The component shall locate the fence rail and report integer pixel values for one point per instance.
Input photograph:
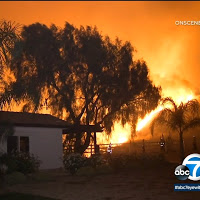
(137, 147)
(142, 146)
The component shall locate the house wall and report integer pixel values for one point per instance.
(3, 147)
(46, 143)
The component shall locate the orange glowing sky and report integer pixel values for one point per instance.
(171, 52)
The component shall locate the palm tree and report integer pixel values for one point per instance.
(9, 36)
(178, 118)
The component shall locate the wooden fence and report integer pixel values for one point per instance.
(139, 147)
(144, 146)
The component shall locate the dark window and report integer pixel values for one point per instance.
(12, 144)
(24, 144)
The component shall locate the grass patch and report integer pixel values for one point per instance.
(18, 196)
(43, 177)
(15, 178)
(90, 171)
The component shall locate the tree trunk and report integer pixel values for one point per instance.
(182, 151)
(95, 142)
(77, 144)
(84, 146)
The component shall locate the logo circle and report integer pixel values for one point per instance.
(182, 172)
(193, 163)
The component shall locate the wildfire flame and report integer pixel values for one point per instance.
(122, 134)
(142, 122)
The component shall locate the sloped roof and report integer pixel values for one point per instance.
(82, 128)
(32, 119)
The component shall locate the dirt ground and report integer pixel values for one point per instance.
(140, 184)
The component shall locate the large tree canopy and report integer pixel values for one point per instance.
(90, 77)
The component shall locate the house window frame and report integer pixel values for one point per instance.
(18, 143)
(19, 148)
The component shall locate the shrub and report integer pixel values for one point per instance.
(15, 178)
(72, 162)
(95, 160)
(27, 163)
(20, 162)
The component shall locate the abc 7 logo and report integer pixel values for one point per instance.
(182, 172)
(190, 168)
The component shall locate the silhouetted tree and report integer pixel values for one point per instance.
(178, 118)
(88, 76)
(8, 39)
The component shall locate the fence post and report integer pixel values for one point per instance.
(91, 149)
(162, 143)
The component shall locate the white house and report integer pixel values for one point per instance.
(38, 134)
